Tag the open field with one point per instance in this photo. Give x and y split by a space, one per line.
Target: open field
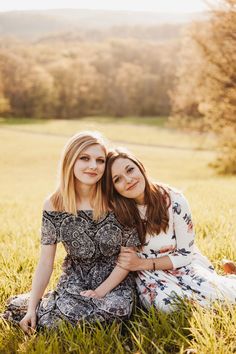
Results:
28 165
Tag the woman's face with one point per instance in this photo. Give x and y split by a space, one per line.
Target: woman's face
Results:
128 179
90 165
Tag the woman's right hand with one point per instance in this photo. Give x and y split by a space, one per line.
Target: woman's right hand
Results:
28 322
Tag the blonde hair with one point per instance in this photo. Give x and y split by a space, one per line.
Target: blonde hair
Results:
64 198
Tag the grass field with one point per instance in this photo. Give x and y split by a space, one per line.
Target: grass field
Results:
28 165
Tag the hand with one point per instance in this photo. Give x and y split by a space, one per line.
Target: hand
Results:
129 260
90 293
28 322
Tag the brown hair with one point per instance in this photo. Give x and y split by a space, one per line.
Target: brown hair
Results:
156 197
64 198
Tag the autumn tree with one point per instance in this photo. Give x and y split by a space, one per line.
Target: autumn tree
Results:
4 102
27 86
66 77
206 88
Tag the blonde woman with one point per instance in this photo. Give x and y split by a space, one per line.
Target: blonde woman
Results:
169 266
91 287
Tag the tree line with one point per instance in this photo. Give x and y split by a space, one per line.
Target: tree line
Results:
65 78
191 78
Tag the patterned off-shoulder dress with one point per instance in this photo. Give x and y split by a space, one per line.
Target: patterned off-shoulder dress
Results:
92 248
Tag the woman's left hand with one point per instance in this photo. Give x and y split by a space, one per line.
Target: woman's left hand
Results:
90 293
129 260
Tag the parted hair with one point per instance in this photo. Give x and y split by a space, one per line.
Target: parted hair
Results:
64 198
156 198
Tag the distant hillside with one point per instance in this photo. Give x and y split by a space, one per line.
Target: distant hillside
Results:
35 24
159 33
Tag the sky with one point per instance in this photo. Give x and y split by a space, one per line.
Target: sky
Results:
176 6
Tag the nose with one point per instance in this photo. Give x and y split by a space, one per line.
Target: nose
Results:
128 179
93 164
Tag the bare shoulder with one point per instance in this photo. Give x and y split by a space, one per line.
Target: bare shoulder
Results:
47 205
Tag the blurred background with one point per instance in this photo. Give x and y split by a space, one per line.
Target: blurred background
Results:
158 77
175 60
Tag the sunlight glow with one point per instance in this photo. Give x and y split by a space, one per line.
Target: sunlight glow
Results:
176 6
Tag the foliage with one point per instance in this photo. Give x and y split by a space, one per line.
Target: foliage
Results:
206 89
67 76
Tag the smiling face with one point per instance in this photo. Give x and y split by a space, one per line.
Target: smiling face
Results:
90 165
128 179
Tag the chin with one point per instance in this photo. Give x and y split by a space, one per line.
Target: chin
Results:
90 183
135 195
131 196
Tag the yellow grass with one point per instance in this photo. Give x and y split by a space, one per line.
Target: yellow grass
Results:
28 164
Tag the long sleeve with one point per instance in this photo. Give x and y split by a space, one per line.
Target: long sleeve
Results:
183 230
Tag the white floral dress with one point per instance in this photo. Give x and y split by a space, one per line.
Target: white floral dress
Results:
193 276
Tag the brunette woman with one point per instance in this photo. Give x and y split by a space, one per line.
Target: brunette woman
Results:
169 266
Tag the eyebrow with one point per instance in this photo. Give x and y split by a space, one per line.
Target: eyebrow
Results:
126 167
98 157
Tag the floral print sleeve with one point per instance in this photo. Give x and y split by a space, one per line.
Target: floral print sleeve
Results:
183 232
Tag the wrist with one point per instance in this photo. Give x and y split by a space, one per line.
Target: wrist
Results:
145 265
100 292
32 308
150 264
31 311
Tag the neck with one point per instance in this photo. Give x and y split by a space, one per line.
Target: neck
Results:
85 193
140 199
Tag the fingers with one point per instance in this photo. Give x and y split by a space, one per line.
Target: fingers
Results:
127 250
88 293
122 248
28 323
25 326
125 257
121 265
33 323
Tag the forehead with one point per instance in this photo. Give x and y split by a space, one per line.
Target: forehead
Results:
120 164
95 149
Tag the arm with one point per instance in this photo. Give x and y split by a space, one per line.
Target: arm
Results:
130 240
40 281
182 256
43 270
129 260
184 232
42 275
115 278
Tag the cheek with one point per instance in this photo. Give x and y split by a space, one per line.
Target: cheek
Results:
77 167
119 188
142 183
101 168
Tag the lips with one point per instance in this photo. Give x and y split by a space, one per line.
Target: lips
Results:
91 174
132 186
